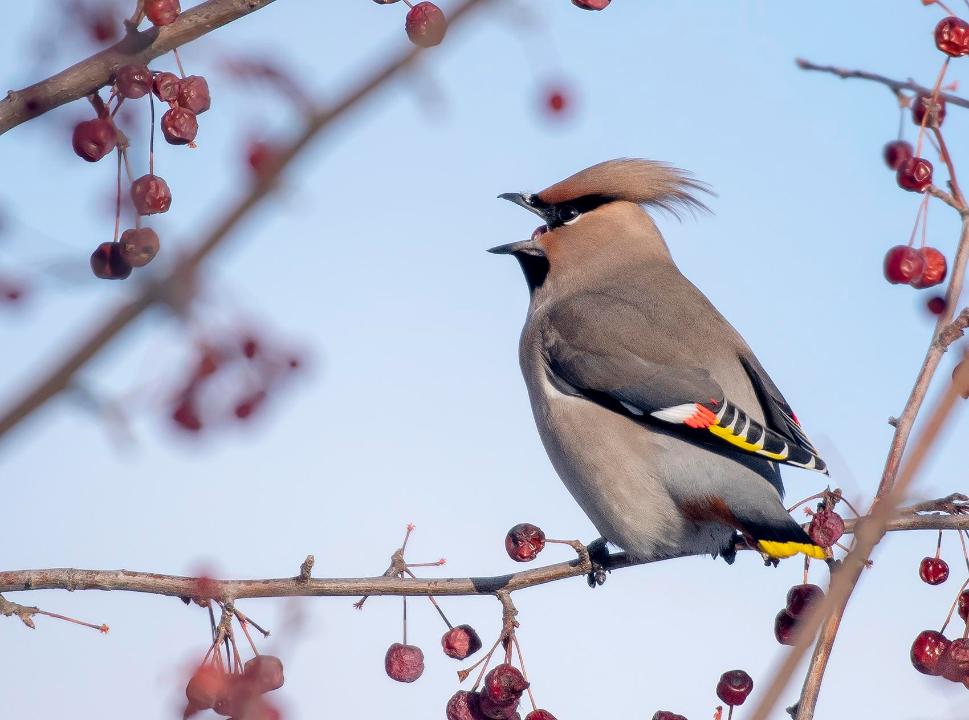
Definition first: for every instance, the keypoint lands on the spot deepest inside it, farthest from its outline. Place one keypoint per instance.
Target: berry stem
(944, 7)
(952, 608)
(521, 661)
(405, 618)
(938, 546)
(243, 618)
(947, 159)
(245, 629)
(178, 61)
(918, 219)
(117, 199)
(730, 712)
(434, 603)
(933, 98)
(807, 565)
(101, 628)
(151, 136)
(965, 553)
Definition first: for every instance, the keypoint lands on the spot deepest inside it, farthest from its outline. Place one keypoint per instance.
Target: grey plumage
(650, 405)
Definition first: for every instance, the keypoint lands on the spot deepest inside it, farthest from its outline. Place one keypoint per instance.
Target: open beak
(529, 202)
(528, 247)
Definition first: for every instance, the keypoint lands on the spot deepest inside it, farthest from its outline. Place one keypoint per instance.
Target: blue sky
(412, 408)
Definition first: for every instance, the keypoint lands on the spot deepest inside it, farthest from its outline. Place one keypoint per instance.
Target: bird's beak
(529, 202)
(527, 247)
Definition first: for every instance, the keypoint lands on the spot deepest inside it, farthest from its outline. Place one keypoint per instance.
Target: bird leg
(599, 556)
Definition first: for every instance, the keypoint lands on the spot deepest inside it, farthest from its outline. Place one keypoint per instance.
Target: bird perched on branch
(656, 414)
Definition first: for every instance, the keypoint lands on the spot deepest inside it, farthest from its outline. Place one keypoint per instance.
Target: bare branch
(896, 86)
(172, 288)
(231, 590)
(140, 48)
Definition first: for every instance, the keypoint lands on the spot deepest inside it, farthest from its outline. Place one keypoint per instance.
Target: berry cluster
(92, 140)
(925, 266)
(424, 24)
(800, 600)
(236, 692)
(245, 360)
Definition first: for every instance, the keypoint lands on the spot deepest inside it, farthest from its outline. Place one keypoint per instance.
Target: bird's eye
(568, 215)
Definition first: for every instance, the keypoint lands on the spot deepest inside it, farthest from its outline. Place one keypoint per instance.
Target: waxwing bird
(655, 413)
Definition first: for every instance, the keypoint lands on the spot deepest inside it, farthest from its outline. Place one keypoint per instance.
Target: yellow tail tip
(788, 549)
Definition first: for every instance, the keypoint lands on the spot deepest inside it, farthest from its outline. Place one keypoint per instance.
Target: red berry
(591, 4)
(165, 86)
(524, 542)
(101, 24)
(540, 714)
(923, 106)
(150, 195)
(234, 697)
(265, 672)
(93, 139)
(248, 405)
(933, 571)
(186, 416)
(801, 598)
(498, 711)
(162, 12)
(933, 270)
(734, 687)
(139, 246)
(952, 36)
(954, 663)
(785, 625)
(667, 715)
(193, 94)
(204, 687)
(404, 663)
(927, 651)
(915, 174)
(260, 156)
(463, 705)
(903, 265)
(826, 527)
(936, 305)
(964, 605)
(460, 642)
(504, 684)
(556, 101)
(179, 126)
(425, 24)
(133, 81)
(107, 263)
(897, 152)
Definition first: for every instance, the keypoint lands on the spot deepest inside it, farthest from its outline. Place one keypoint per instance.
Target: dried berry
(952, 36)
(498, 710)
(924, 106)
(404, 663)
(179, 126)
(902, 265)
(936, 305)
(425, 24)
(933, 570)
(591, 4)
(460, 642)
(540, 715)
(914, 175)
(927, 651)
(107, 263)
(139, 246)
(667, 715)
(801, 598)
(934, 268)
(964, 605)
(463, 705)
(133, 81)
(827, 526)
(504, 684)
(264, 672)
(93, 139)
(897, 152)
(734, 687)
(524, 542)
(162, 12)
(193, 94)
(785, 625)
(165, 86)
(150, 195)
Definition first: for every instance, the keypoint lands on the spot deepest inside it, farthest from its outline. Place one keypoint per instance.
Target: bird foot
(599, 557)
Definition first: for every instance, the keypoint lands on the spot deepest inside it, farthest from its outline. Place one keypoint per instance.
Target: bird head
(597, 214)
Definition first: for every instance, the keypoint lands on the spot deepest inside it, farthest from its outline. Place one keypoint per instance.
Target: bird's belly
(616, 472)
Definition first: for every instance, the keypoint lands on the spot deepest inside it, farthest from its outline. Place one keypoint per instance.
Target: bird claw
(599, 557)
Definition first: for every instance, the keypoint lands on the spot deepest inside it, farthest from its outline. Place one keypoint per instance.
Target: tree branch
(136, 47)
(302, 586)
(172, 288)
(896, 86)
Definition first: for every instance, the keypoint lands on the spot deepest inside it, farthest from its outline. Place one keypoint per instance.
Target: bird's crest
(644, 182)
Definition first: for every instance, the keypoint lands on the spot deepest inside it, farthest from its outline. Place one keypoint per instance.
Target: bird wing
(590, 343)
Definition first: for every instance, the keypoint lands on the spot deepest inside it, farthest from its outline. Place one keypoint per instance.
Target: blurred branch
(172, 288)
(896, 86)
(135, 47)
(303, 586)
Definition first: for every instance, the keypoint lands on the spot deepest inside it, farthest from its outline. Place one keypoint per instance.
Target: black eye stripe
(566, 211)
